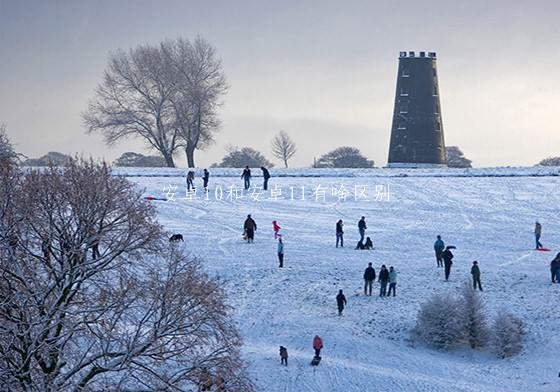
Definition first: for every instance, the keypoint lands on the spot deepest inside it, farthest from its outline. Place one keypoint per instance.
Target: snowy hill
(489, 219)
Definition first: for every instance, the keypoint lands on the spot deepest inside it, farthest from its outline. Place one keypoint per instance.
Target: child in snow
(392, 282)
(283, 355)
(280, 251)
(475, 272)
(276, 228)
(340, 302)
(318, 345)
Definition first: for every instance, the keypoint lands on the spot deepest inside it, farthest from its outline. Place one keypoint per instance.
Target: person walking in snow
(439, 246)
(475, 272)
(250, 226)
(266, 177)
(447, 260)
(555, 269)
(317, 345)
(538, 232)
(362, 227)
(392, 282)
(383, 280)
(190, 181)
(280, 252)
(246, 175)
(369, 278)
(283, 355)
(339, 233)
(276, 229)
(340, 302)
(205, 178)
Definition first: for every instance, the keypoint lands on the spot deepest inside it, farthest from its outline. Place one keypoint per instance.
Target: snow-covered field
(368, 349)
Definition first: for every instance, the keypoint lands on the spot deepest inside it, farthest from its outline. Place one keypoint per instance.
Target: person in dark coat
(383, 280)
(283, 355)
(475, 272)
(205, 178)
(280, 251)
(439, 246)
(447, 260)
(369, 278)
(190, 180)
(369, 244)
(555, 269)
(538, 233)
(250, 227)
(362, 227)
(340, 302)
(266, 177)
(246, 175)
(339, 233)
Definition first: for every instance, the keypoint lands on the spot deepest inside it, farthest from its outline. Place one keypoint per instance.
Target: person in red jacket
(317, 345)
(276, 229)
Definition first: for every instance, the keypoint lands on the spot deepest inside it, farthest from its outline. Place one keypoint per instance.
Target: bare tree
(135, 99)
(199, 84)
(93, 299)
(283, 147)
(8, 155)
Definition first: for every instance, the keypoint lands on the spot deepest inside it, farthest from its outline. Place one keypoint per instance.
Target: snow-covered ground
(489, 219)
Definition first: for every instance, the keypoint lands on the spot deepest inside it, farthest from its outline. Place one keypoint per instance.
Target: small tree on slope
(474, 318)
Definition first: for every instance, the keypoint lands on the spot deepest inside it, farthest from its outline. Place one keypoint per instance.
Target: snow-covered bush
(440, 323)
(508, 335)
(473, 315)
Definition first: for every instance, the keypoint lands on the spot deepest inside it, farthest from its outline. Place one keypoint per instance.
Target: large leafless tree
(166, 94)
(283, 147)
(91, 298)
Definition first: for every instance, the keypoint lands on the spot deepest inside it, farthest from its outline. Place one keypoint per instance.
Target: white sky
(324, 71)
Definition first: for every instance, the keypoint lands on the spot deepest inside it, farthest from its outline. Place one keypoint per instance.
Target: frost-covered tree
(508, 334)
(474, 318)
(8, 155)
(456, 158)
(51, 158)
(550, 161)
(440, 323)
(93, 297)
(241, 157)
(133, 159)
(283, 147)
(343, 157)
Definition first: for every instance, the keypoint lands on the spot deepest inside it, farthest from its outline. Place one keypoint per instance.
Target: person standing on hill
(475, 272)
(555, 269)
(383, 280)
(190, 180)
(362, 227)
(340, 302)
(317, 345)
(250, 227)
(339, 233)
(283, 355)
(205, 179)
(246, 175)
(447, 261)
(369, 278)
(266, 177)
(280, 252)
(439, 246)
(538, 232)
(392, 282)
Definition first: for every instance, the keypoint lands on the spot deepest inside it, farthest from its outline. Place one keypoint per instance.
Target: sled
(543, 250)
(150, 198)
(315, 361)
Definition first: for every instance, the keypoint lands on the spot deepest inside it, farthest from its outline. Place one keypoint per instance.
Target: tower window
(404, 92)
(405, 73)
(403, 107)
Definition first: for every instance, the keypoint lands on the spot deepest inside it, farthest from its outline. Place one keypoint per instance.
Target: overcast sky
(324, 71)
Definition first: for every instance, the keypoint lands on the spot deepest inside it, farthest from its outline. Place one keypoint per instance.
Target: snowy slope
(368, 349)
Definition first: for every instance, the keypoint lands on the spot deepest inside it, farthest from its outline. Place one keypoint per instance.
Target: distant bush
(133, 159)
(8, 155)
(241, 157)
(508, 335)
(456, 158)
(343, 157)
(51, 158)
(550, 161)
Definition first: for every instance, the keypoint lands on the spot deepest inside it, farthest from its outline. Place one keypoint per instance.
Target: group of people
(246, 176)
(362, 227)
(190, 180)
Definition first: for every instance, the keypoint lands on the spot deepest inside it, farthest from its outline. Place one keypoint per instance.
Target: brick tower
(417, 130)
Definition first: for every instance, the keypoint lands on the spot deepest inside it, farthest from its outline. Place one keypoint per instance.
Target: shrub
(508, 335)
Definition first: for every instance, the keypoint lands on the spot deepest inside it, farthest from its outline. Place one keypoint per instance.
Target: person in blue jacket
(439, 246)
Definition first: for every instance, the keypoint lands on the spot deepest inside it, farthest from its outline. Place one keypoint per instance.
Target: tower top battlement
(420, 55)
